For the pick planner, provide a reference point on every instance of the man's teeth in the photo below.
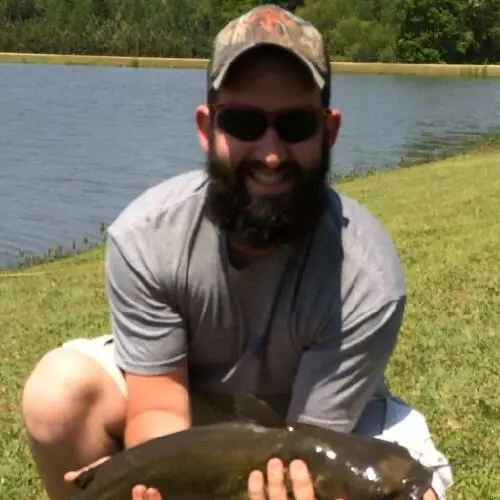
(268, 178)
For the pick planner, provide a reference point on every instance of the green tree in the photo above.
(356, 30)
(483, 23)
(19, 10)
(452, 31)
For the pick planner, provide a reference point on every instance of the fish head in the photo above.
(325, 485)
(397, 488)
(355, 467)
(394, 479)
(414, 489)
(405, 477)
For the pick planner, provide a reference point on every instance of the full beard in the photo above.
(266, 221)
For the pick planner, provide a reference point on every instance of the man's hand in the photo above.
(301, 482)
(142, 493)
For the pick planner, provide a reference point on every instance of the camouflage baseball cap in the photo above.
(270, 24)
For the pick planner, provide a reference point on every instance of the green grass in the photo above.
(476, 70)
(445, 219)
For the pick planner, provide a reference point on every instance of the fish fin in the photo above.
(250, 407)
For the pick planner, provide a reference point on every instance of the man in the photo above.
(248, 275)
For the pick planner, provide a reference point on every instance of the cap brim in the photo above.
(217, 81)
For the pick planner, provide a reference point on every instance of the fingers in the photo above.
(256, 486)
(276, 490)
(140, 492)
(303, 488)
(301, 481)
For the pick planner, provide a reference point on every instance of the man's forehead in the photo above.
(267, 102)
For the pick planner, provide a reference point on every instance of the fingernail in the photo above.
(300, 468)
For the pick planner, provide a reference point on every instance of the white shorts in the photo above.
(391, 419)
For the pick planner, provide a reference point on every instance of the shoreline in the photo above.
(379, 68)
(485, 146)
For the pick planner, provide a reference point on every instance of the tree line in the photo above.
(433, 31)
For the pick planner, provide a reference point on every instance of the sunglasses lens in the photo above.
(249, 125)
(299, 125)
(245, 125)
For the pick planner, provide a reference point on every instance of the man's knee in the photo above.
(59, 394)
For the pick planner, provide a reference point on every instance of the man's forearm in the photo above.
(151, 424)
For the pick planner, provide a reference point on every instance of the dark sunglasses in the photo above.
(249, 123)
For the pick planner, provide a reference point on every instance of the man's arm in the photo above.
(150, 341)
(339, 374)
(157, 405)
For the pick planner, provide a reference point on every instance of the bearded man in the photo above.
(248, 275)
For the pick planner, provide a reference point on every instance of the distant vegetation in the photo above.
(418, 31)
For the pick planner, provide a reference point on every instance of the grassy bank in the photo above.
(339, 67)
(445, 220)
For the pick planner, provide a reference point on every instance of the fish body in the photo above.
(214, 461)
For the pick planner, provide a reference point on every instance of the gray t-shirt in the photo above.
(309, 327)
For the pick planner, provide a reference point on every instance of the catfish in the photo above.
(213, 461)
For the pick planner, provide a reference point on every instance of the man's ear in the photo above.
(333, 122)
(202, 116)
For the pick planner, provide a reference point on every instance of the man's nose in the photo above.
(270, 149)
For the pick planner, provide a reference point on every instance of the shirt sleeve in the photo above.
(149, 333)
(339, 374)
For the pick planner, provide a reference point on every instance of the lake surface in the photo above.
(78, 143)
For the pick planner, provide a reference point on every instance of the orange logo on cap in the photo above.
(267, 18)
